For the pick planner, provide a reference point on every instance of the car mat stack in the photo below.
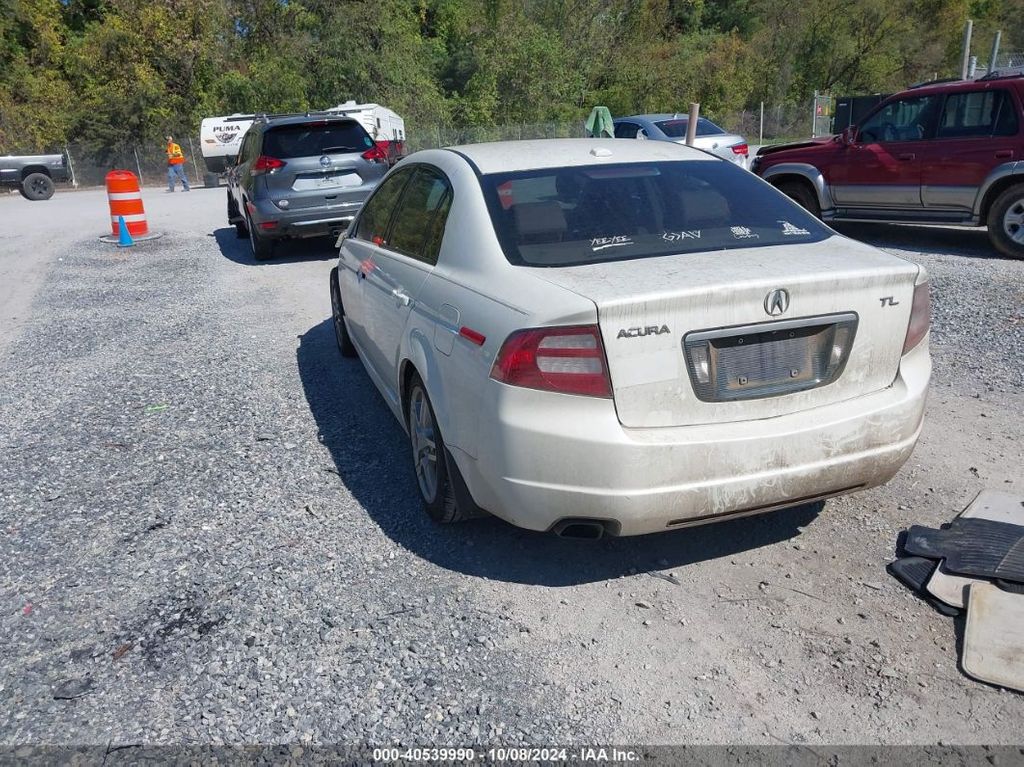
(975, 563)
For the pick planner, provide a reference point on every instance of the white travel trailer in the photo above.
(383, 125)
(220, 139)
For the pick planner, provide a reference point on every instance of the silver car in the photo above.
(618, 337)
(301, 176)
(672, 127)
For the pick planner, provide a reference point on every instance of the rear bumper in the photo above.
(543, 458)
(309, 222)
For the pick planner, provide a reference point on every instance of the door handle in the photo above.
(402, 297)
(1004, 154)
(906, 156)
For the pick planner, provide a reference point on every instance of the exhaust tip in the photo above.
(580, 529)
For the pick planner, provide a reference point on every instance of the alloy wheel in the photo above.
(424, 448)
(1013, 222)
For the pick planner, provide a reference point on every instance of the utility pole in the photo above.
(965, 57)
(691, 123)
(993, 57)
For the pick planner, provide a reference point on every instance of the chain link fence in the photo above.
(147, 160)
(90, 164)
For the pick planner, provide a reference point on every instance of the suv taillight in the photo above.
(568, 359)
(265, 164)
(375, 154)
(742, 149)
(920, 317)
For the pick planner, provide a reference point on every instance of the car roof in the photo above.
(954, 86)
(511, 156)
(663, 116)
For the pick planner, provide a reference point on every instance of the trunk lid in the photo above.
(650, 309)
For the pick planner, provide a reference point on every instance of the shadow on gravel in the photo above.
(371, 455)
(287, 252)
(936, 240)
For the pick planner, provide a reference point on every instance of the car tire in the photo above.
(1006, 222)
(262, 246)
(345, 345)
(37, 186)
(802, 194)
(429, 457)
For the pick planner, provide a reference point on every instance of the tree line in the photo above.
(107, 73)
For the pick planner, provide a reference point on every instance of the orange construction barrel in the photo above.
(126, 200)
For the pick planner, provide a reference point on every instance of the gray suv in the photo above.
(303, 176)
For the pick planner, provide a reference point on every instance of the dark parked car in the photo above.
(301, 177)
(33, 175)
(939, 153)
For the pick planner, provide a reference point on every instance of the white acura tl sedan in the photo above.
(601, 337)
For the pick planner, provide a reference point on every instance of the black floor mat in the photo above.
(1013, 587)
(914, 572)
(979, 547)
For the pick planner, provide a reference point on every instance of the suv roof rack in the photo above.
(317, 113)
(935, 82)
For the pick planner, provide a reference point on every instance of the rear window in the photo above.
(315, 139)
(592, 214)
(677, 128)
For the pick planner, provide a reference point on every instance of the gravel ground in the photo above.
(211, 533)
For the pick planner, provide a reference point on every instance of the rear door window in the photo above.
(676, 128)
(376, 214)
(626, 130)
(590, 214)
(978, 114)
(315, 139)
(419, 221)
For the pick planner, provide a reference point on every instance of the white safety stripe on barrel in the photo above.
(124, 195)
(133, 217)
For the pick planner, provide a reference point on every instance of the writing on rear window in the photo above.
(600, 243)
(589, 214)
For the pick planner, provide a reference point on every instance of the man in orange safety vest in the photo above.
(175, 165)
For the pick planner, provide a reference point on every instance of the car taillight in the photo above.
(742, 149)
(265, 164)
(920, 317)
(568, 359)
(375, 154)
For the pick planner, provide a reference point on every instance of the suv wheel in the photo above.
(428, 456)
(345, 345)
(262, 246)
(802, 194)
(1006, 222)
(37, 186)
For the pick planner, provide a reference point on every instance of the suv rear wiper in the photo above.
(327, 149)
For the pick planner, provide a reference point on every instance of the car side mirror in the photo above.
(849, 135)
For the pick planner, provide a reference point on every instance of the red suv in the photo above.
(939, 153)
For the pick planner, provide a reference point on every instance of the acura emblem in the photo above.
(776, 302)
(325, 161)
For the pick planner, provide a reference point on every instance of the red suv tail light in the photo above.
(265, 164)
(375, 154)
(568, 359)
(920, 317)
(742, 149)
